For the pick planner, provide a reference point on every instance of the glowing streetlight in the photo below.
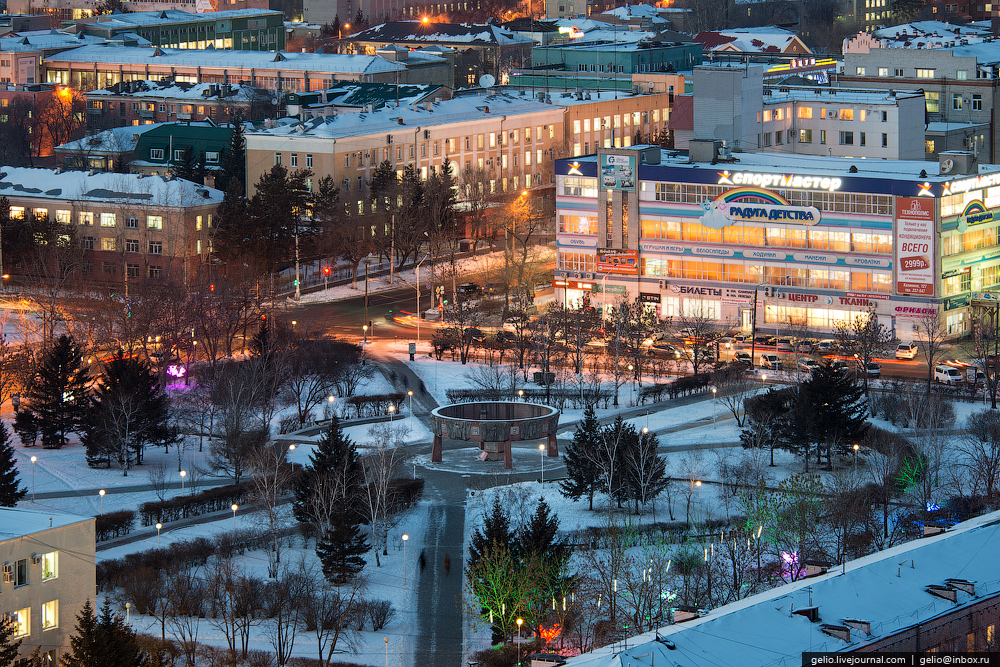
(714, 403)
(364, 327)
(128, 609)
(392, 411)
(101, 494)
(519, 622)
(184, 474)
(856, 458)
(520, 394)
(33, 459)
(541, 457)
(425, 20)
(386, 640)
(234, 507)
(405, 538)
(409, 394)
(158, 527)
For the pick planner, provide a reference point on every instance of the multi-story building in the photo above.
(21, 55)
(239, 29)
(620, 53)
(351, 96)
(104, 65)
(160, 101)
(509, 140)
(131, 226)
(108, 150)
(830, 237)
(611, 119)
(48, 575)
(19, 22)
(961, 89)
(752, 40)
(64, 11)
(926, 596)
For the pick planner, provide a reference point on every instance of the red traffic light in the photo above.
(212, 287)
(326, 270)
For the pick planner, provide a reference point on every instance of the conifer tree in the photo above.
(496, 530)
(8, 645)
(234, 158)
(342, 547)
(103, 641)
(540, 536)
(58, 396)
(10, 488)
(582, 469)
(333, 477)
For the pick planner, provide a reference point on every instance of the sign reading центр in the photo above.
(915, 246)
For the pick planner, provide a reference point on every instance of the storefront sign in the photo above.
(713, 252)
(624, 262)
(576, 284)
(816, 257)
(974, 183)
(803, 215)
(877, 262)
(764, 254)
(691, 290)
(864, 295)
(914, 246)
(647, 297)
(618, 172)
(915, 311)
(578, 241)
(609, 289)
(956, 302)
(986, 296)
(975, 213)
(780, 180)
(670, 248)
(856, 301)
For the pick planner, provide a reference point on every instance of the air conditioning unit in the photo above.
(577, 275)
(388, 138)
(831, 114)
(427, 134)
(36, 559)
(589, 276)
(663, 284)
(8, 573)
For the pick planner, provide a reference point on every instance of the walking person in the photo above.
(447, 564)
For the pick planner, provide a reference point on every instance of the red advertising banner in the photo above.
(625, 262)
(915, 246)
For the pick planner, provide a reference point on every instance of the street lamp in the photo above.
(541, 456)
(714, 402)
(392, 411)
(158, 526)
(405, 538)
(386, 640)
(364, 327)
(409, 395)
(234, 507)
(520, 394)
(101, 494)
(855, 458)
(183, 475)
(33, 459)
(519, 622)
(128, 609)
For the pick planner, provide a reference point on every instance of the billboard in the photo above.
(914, 245)
(624, 262)
(618, 172)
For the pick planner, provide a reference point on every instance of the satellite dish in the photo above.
(487, 81)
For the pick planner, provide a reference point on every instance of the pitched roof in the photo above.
(330, 63)
(22, 182)
(470, 34)
(768, 39)
(166, 88)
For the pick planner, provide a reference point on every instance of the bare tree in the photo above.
(316, 367)
(931, 336)
(697, 328)
(185, 609)
(272, 478)
(866, 338)
(238, 395)
(980, 449)
(379, 466)
(499, 382)
(326, 613)
(985, 348)
(283, 610)
(157, 474)
(733, 386)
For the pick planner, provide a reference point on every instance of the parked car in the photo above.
(807, 345)
(826, 345)
(662, 349)
(786, 344)
(838, 365)
(873, 369)
(906, 350)
(470, 290)
(975, 375)
(807, 364)
(770, 361)
(948, 375)
(743, 358)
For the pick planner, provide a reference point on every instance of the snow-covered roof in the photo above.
(471, 34)
(151, 88)
(117, 139)
(360, 94)
(581, 24)
(611, 36)
(782, 94)
(930, 31)
(768, 39)
(387, 119)
(16, 522)
(131, 20)
(21, 182)
(938, 127)
(888, 589)
(330, 63)
(40, 40)
(627, 12)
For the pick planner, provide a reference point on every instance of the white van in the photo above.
(948, 375)
(906, 351)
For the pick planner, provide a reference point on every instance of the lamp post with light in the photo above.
(856, 458)
(409, 395)
(234, 507)
(541, 456)
(520, 621)
(405, 539)
(158, 527)
(33, 459)
(714, 404)
(101, 494)
(392, 411)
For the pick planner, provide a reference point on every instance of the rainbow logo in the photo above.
(752, 194)
(975, 213)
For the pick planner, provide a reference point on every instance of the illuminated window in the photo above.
(63, 216)
(108, 220)
(22, 622)
(17, 213)
(925, 73)
(154, 222)
(50, 615)
(846, 114)
(108, 243)
(805, 112)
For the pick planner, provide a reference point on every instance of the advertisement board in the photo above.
(618, 172)
(625, 262)
(914, 245)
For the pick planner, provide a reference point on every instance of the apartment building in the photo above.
(21, 55)
(48, 575)
(130, 226)
(240, 29)
(63, 11)
(698, 233)
(512, 140)
(607, 119)
(104, 65)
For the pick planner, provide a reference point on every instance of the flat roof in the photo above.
(20, 182)
(16, 522)
(824, 95)
(331, 63)
(168, 16)
(888, 589)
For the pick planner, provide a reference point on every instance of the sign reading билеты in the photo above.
(914, 246)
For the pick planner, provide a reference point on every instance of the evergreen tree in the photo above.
(190, 168)
(496, 530)
(58, 396)
(581, 458)
(232, 225)
(104, 641)
(341, 549)
(8, 646)
(128, 411)
(540, 536)
(616, 443)
(331, 483)
(26, 427)
(10, 491)
(234, 158)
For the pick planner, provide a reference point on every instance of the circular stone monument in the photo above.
(494, 424)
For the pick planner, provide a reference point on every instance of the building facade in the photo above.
(48, 576)
(130, 226)
(239, 29)
(63, 11)
(825, 238)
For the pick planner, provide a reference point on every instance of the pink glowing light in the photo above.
(176, 371)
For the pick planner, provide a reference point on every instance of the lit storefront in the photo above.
(812, 241)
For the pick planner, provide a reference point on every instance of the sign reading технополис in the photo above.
(914, 246)
(618, 172)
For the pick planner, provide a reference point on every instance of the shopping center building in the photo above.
(806, 240)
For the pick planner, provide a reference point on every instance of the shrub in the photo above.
(380, 613)
(403, 492)
(114, 524)
(203, 502)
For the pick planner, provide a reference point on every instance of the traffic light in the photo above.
(326, 270)
(295, 283)
(211, 288)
